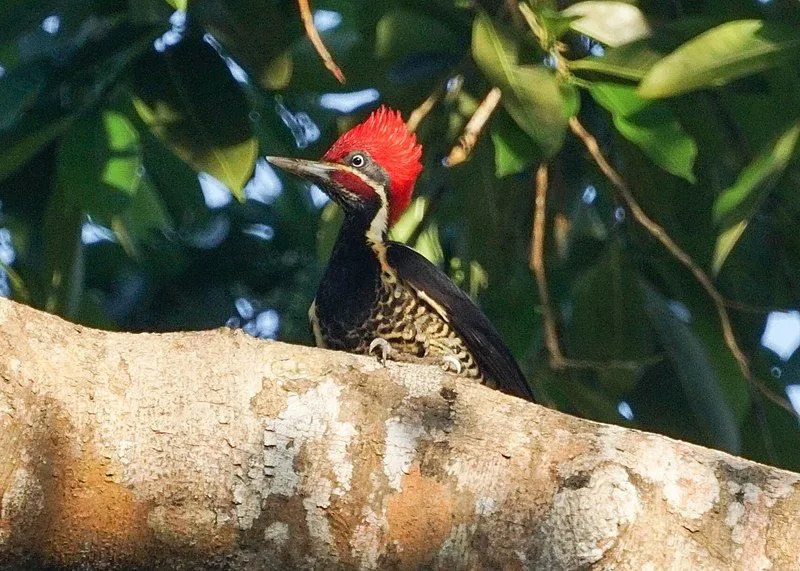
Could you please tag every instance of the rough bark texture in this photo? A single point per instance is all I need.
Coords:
(220, 450)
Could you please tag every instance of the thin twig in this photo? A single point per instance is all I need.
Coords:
(418, 114)
(313, 35)
(448, 90)
(472, 130)
(672, 247)
(746, 308)
(556, 356)
(537, 265)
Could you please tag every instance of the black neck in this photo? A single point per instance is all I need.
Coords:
(350, 286)
(353, 234)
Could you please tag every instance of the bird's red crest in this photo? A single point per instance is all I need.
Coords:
(388, 141)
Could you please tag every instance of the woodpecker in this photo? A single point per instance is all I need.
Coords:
(379, 295)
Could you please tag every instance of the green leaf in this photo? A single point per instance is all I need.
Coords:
(611, 23)
(737, 204)
(64, 216)
(778, 376)
(727, 239)
(428, 242)
(179, 4)
(202, 117)
(27, 145)
(18, 289)
(720, 55)
(143, 212)
(531, 94)
(39, 101)
(403, 31)
(514, 151)
(239, 26)
(733, 384)
(99, 177)
(608, 319)
(631, 61)
(556, 23)
(175, 182)
(651, 126)
(17, 16)
(697, 375)
(330, 222)
(19, 92)
(145, 217)
(122, 144)
(590, 402)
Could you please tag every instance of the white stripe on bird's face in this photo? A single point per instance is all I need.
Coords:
(380, 222)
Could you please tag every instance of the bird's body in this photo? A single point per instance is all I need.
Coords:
(361, 299)
(380, 294)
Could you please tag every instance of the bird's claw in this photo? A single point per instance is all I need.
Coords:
(383, 346)
(451, 363)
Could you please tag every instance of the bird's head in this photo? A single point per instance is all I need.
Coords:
(369, 171)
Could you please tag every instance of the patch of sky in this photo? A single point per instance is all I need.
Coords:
(589, 194)
(318, 198)
(265, 186)
(7, 253)
(680, 310)
(303, 129)
(212, 235)
(625, 410)
(254, 321)
(215, 193)
(7, 257)
(51, 24)
(5, 285)
(325, 20)
(239, 74)
(454, 83)
(93, 233)
(593, 47)
(265, 325)
(261, 231)
(244, 308)
(793, 393)
(348, 102)
(782, 333)
(175, 34)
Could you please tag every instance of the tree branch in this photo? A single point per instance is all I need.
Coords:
(679, 254)
(215, 449)
(556, 355)
(472, 130)
(313, 35)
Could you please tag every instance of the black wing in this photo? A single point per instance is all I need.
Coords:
(495, 360)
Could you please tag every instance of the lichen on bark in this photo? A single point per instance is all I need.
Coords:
(217, 449)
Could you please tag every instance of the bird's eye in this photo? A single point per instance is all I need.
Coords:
(357, 161)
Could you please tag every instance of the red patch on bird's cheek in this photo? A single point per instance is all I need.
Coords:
(353, 183)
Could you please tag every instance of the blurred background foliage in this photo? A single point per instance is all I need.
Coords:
(133, 195)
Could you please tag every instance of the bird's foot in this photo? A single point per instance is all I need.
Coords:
(383, 349)
(451, 363)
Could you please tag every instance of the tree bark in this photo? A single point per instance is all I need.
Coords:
(216, 449)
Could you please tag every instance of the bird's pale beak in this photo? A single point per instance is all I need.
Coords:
(315, 171)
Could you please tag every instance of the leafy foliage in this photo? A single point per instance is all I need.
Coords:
(132, 195)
